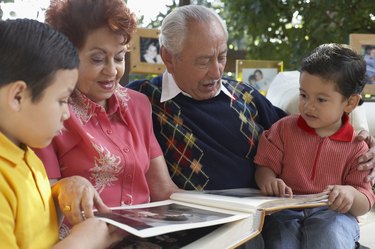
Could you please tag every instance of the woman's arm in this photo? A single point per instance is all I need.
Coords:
(159, 181)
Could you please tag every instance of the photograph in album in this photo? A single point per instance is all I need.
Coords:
(150, 219)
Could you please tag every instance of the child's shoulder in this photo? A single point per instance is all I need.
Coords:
(286, 124)
(361, 144)
(289, 119)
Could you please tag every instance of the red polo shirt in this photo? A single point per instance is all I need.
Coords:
(307, 162)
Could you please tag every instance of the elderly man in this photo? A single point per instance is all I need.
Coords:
(207, 126)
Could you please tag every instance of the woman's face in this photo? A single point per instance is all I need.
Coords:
(102, 64)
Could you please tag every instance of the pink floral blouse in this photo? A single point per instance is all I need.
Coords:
(111, 148)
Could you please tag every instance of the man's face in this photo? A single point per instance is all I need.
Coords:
(197, 70)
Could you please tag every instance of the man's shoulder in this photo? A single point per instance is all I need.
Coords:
(126, 94)
(231, 83)
(139, 85)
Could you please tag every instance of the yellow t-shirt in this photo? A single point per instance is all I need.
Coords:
(27, 213)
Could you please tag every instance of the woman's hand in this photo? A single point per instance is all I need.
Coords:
(367, 160)
(77, 198)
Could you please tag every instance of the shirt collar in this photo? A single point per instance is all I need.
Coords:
(85, 108)
(344, 134)
(10, 151)
(170, 89)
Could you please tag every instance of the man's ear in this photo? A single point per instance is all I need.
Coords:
(167, 58)
(352, 103)
(16, 93)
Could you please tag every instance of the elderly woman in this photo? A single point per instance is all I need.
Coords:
(109, 139)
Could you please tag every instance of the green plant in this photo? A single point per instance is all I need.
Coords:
(289, 29)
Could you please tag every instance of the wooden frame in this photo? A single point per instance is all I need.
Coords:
(144, 42)
(360, 43)
(247, 69)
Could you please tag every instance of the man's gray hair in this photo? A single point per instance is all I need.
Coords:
(175, 25)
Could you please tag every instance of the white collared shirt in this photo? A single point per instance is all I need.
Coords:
(170, 88)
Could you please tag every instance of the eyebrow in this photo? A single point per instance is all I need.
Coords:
(124, 50)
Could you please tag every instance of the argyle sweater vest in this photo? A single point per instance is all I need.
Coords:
(210, 144)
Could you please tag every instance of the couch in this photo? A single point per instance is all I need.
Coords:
(284, 93)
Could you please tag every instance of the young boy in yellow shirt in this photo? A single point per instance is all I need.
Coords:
(38, 72)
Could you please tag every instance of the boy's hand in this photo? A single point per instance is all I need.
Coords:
(340, 198)
(276, 187)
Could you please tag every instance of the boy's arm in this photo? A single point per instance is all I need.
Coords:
(91, 233)
(269, 184)
(345, 198)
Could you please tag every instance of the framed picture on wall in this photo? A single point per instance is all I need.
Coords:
(364, 44)
(145, 52)
(259, 73)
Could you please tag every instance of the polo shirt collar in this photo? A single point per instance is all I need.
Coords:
(344, 134)
(10, 151)
(170, 89)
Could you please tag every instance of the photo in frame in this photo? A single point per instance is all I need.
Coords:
(364, 44)
(258, 73)
(145, 52)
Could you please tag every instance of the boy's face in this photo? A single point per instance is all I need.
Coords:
(43, 120)
(320, 104)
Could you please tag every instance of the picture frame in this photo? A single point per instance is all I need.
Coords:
(364, 44)
(144, 52)
(258, 73)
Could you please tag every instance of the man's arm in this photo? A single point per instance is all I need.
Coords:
(367, 160)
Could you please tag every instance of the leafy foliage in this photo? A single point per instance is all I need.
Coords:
(289, 29)
(1, 11)
(156, 23)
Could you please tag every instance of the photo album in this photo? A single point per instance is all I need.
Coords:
(224, 218)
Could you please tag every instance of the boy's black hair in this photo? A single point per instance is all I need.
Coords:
(340, 64)
(32, 51)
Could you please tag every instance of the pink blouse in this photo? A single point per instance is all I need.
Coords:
(112, 148)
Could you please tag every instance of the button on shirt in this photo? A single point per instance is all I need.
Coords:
(112, 148)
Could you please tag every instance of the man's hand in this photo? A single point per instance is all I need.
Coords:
(367, 160)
